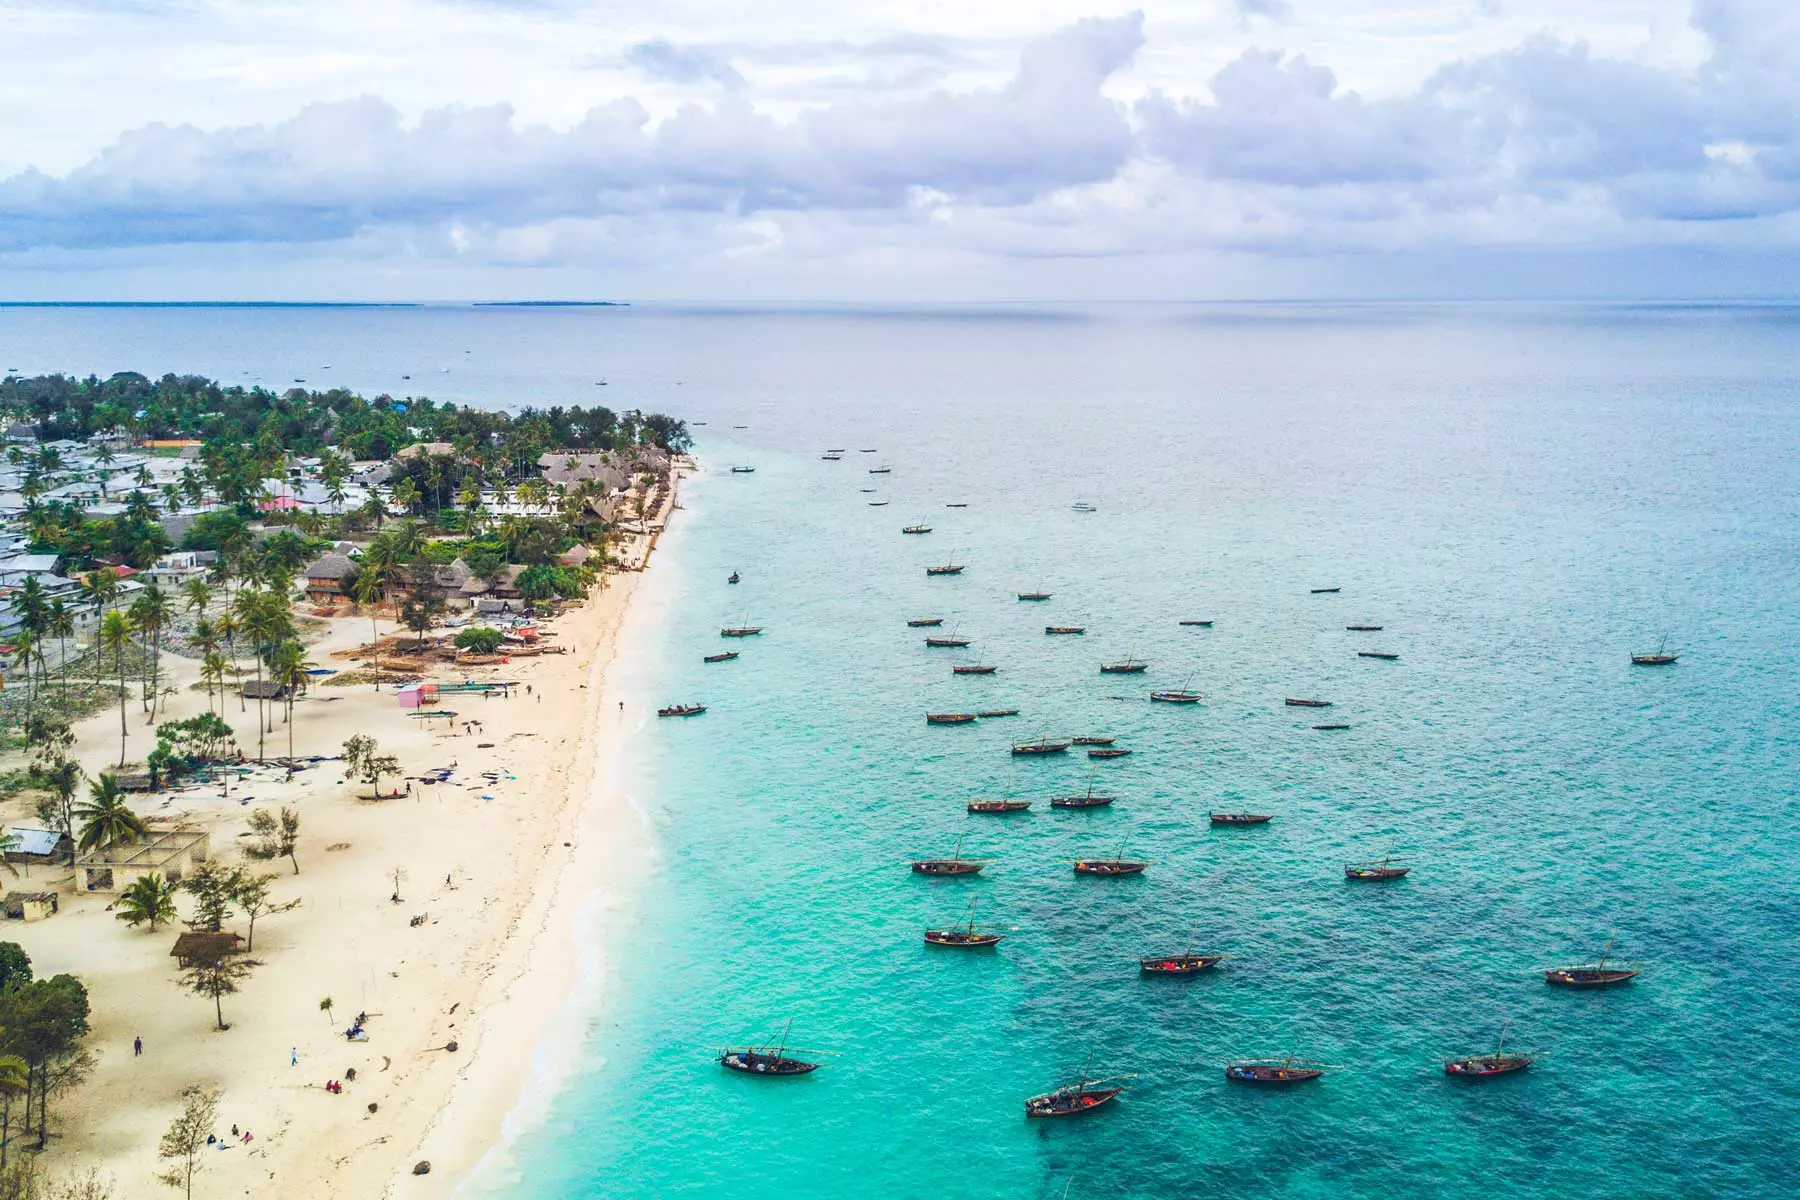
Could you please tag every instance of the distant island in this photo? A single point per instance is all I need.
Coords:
(551, 304)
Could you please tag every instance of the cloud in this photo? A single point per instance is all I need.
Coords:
(669, 63)
(1274, 10)
(1545, 143)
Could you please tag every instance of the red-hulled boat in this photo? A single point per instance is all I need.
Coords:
(1083, 1096)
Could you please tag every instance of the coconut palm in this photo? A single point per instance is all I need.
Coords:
(198, 595)
(115, 635)
(60, 624)
(151, 613)
(288, 666)
(105, 818)
(371, 583)
(213, 670)
(149, 898)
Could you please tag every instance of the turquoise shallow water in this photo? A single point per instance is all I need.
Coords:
(1520, 495)
(1519, 500)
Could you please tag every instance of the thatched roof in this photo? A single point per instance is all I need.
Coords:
(261, 689)
(331, 566)
(195, 947)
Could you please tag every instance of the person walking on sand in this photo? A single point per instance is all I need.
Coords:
(137, 1047)
(294, 1057)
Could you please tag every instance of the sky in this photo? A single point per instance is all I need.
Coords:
(868, 150)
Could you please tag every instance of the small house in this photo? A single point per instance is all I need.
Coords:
(262, 689)
(166, 852)
(28, 906)
(328, 578)
(45, 846)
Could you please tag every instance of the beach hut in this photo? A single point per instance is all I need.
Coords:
(410, 697)
(28, 906)
(200, 948)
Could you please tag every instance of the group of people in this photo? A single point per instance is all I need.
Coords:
(225, 1143)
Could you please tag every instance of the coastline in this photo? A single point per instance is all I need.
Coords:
(505, 872)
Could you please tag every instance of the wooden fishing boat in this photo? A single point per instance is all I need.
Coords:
(998, 807)
(998, 712)
(1071, 1101)
(1185, 963)
(1125, 666)
(1292, 703)
(681, 710)
(1654, 660)
(965, 937)
(1108, 752)
(1113, 867)
(916, 529)
(1083, 1096)
(1196, 624)
(972, 669)
(1383, 655)
(1338, 726)
(1041, 745)
(1374, 872)
(1273, 1070)
(743, 470)
(947, 641)
(956, 864)
(1179, 964)
(831, 457)
(866, 491)
(1363, 628)
(835, 451)
(1239, 818)
(1092, 741)
(1325, 591)
(945, 569)
(740, 631)
(732, 578)
(1487, 1066)
(949, 718)
(761, 1060)
(879, 503)
(1055, 629)
(1034, 595)
(1086, 800)
(1083, 506)
(925, 622)
(1592, 975)
(956, 506)
(1175, 697)
(881, 470)
(725, 657)
(866, 452)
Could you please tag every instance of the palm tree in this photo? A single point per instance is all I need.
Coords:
(227, 625)
(213, 669)
(288, 665)
(115, 635)
(152, 612)
(264, 616)
(105, 818)
(371, 583)
(405, 494)
(60, 624)
(149, 898)
(62, 779)
(198, 594)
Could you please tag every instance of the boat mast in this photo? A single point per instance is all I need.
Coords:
(782, 1049)
(1607, 953)
(1502, 1045)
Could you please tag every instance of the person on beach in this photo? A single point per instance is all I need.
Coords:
(137, 1047)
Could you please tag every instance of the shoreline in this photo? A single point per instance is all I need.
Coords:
(534, 840)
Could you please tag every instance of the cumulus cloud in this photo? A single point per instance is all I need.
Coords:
(1545, 143)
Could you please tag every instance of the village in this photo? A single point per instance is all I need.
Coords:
(265, 745)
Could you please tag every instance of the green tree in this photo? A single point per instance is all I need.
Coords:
(61, 779)
(15, 967)
(115, 635)
(198, 595)
(276, 837)
(44, 1022)
(105, 819)
(368, 589)
(217, 978)
(183, 1145)
(149, 898)
(213, 888)
(480, 639)
(151, 613)
(15, 1081)
(288, 667)
(252, 895)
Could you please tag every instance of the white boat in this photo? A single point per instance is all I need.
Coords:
(1083, 506)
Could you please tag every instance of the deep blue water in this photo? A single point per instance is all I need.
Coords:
(1521, 495)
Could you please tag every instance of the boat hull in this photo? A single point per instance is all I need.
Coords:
(947, 866)
(1238, 1073)
(1240, 818)
(768, 1066)
(1579, 977)
(1485, 1066)
(1179, 964)
(1109, 867)
(961, 939)
(999, 807)
(1066, 1104)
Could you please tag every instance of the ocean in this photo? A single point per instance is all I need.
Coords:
(1521, 496)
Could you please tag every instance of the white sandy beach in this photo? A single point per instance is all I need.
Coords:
(506, 875)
